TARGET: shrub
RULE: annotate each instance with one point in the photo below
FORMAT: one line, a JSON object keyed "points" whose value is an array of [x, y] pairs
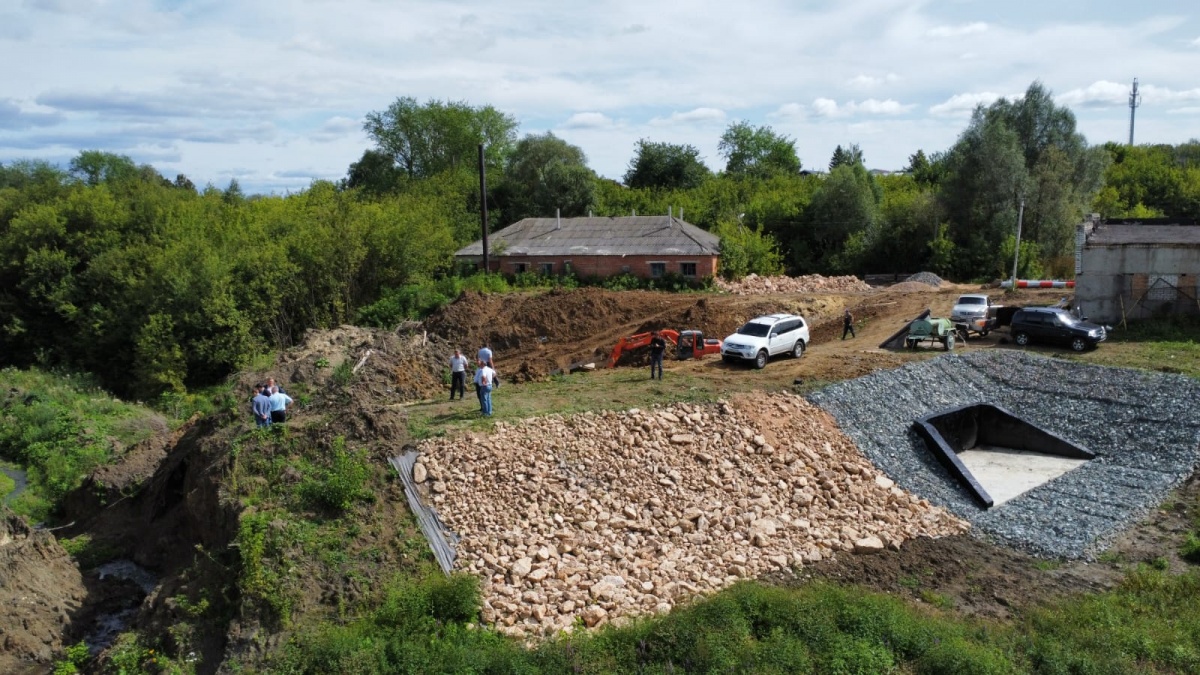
{"points": [[1190, 551], [342, 484]]}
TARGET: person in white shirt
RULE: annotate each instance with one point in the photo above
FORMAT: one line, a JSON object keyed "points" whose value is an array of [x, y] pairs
{"points": [[458, 375], [485, 377]]}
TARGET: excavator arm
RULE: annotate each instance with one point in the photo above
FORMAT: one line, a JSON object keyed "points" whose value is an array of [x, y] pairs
{"points": [[638, 341]]}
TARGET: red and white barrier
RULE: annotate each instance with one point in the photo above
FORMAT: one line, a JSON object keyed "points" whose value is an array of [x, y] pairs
{"points": [[1026, 283]]}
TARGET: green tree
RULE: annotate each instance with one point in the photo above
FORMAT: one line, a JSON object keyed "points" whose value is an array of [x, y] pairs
{"points": [[424, 140], [747, 250], [95, 167], [545, 173], [757, 151], [848, 156], [665, 165], [375, 173], [846, 204]]}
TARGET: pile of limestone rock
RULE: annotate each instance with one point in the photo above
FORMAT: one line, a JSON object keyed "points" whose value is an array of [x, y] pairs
{"points": [[753, 284], [612, 514]]}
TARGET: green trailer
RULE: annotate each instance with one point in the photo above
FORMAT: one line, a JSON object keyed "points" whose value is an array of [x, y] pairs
{"points": [[932, 330]]}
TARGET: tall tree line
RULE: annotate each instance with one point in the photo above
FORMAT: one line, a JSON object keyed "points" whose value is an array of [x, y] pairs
{"points": [[153, 285]]}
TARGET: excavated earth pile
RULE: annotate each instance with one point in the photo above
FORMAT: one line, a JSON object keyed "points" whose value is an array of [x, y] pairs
{"points": [[613, 514], [41, 591], [537, 334], [1144, 429], [810, 283]]}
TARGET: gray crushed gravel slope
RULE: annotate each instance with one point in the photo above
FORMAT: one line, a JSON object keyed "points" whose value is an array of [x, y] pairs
{"points": [[1143, 427]]}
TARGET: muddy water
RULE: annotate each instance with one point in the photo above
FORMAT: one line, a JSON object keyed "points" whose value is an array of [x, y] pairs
{"points": [[106, 626], [18, 476]]}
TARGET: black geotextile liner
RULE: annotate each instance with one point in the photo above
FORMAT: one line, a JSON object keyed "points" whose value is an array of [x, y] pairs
{"points": [[1144, 429]]}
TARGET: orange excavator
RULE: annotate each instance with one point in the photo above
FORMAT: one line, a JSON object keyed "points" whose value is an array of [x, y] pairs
{"points": [[689, 344]]}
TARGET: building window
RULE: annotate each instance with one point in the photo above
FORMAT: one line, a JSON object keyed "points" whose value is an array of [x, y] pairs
{"points": [[658, 269], [566, 267], [547, 268], [687, 269], [519, 268], [625, 269]]}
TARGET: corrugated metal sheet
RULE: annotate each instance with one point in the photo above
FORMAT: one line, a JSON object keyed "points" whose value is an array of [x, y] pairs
{"points": [[626, 235], [1126, 235]]}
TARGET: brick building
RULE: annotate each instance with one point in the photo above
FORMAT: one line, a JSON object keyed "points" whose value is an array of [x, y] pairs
{"points": [[644, 246]]}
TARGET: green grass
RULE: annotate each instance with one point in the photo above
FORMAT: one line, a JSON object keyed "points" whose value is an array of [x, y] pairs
{"points": [[606, 389], [61, 427], [1164, 345]]}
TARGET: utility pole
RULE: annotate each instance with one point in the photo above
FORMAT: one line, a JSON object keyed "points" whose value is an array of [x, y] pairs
{"points": [[483, 209], [1135, 99], [1017, 251]]}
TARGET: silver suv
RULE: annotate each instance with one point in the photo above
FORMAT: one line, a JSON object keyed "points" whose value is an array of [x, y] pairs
{"points": [[766, 336]]}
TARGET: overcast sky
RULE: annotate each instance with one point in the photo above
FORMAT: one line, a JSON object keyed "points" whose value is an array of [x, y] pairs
{"points": [[273, 92]]}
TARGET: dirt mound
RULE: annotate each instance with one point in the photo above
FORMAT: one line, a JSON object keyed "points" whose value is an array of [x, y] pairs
{"points": [[810, 283], [598, 516], [535, 335], [40, 591], [909, 287], [928, 278]]}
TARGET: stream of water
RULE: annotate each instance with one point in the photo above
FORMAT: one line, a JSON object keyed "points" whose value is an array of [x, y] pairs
{"points": [[18, 476]]}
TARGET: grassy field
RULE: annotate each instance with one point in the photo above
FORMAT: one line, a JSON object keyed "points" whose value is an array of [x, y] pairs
{"points": [[1168, 346]]}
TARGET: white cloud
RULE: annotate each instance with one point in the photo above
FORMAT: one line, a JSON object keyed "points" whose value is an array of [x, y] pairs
{"points": [[962, 104], [1190, 110], [695, 116], [1155, 94], [957, 31], [824, 107], [1108, 94], [790, 111], [337, 127], [588, 120], [1099, 93], [1196, 42], [870, 81]]}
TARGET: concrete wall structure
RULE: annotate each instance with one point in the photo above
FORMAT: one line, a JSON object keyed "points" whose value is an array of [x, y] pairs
{"points": [[1137, 271]]}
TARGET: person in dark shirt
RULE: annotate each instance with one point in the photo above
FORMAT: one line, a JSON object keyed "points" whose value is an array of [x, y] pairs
{"points": [[847, 324], [658, 347]]}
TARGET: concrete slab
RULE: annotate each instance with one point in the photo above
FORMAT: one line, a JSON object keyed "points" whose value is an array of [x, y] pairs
{"points": [[1006, 473]]}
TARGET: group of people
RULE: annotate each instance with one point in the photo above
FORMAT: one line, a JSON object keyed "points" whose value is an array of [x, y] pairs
{"points": [[269, 404], [485, 379]]}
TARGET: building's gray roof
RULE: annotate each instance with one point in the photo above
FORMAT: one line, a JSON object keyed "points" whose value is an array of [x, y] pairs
{"points": [[1144, 235], [626, 235]]}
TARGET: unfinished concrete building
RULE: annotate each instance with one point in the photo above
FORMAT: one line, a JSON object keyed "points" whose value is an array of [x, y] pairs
{"points": [[1127, 270]]}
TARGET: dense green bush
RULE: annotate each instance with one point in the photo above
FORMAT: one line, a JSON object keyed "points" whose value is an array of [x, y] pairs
{"points": [[340, 485], [60, 428]]}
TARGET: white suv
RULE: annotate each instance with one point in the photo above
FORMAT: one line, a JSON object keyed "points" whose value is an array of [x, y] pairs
{"points": [[766, 336]]}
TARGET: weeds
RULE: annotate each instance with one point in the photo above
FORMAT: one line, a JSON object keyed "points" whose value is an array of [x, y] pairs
{"points": [[59, 428]]}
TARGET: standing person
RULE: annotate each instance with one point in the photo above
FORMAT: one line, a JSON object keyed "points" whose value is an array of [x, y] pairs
{"points": [[485, 377], [271, 386], [279, 403], [848, 324], [260, 405], [485, 355], [458, 375], [658, 347]]}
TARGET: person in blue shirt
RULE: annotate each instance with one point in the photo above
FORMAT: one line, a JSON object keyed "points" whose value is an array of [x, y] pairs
{"points": [[279, 403], [261, 406]]}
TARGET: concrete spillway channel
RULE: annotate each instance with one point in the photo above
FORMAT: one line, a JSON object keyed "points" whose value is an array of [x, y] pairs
{"points": [[1143, 428]]}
